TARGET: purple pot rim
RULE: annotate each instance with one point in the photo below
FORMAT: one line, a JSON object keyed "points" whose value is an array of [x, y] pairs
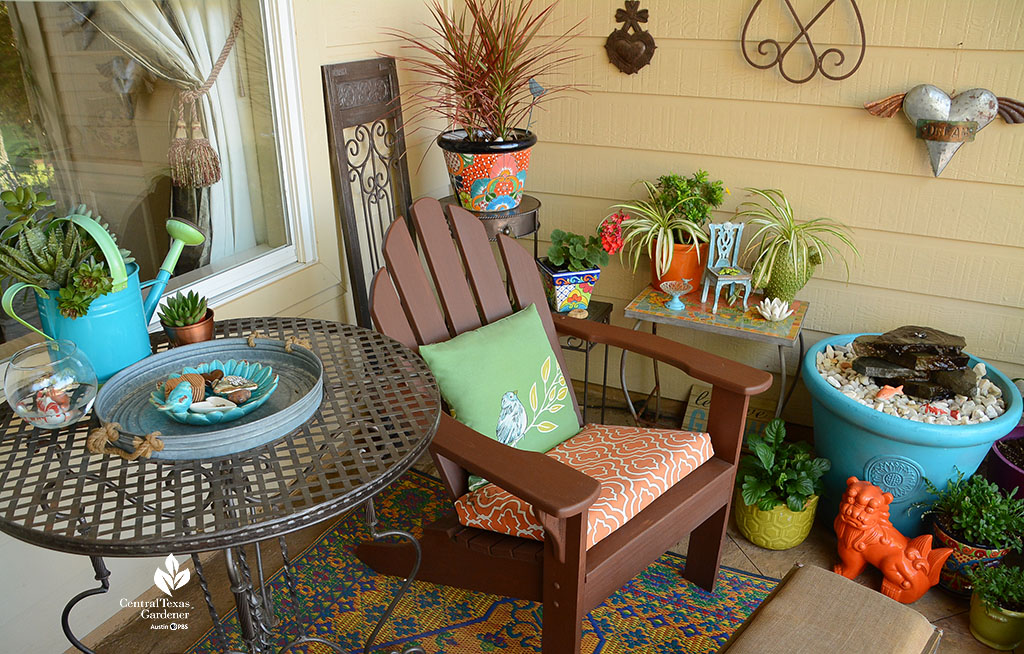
{"points": [[1009, 437]]}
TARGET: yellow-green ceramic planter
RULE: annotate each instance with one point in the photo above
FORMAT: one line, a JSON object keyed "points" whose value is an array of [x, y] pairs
{"points": [[995, 627], [778, 529]]}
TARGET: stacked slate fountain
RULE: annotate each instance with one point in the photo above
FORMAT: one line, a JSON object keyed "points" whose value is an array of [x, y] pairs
{"points": [[927, 363]]}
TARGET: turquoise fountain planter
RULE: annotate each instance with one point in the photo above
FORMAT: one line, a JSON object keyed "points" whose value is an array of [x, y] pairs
{"points": [[893, 453]]}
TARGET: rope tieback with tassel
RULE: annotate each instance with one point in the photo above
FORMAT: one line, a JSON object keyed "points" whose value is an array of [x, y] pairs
{"points": [[100, 439], [193, 161]]}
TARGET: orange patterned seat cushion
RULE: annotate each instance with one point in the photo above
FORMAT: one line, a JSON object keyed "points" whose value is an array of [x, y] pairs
{"points": [[634, 465]]}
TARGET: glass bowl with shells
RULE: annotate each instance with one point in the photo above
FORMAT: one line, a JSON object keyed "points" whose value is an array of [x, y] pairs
{"points": [[215, 392]]}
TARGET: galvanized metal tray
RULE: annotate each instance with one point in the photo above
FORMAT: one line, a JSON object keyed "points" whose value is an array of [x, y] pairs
{"points": [[124, 399]]}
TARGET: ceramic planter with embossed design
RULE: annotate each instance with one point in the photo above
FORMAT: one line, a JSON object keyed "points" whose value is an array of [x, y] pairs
{"points": [[893, 453], [778, 529], [487, 175]]}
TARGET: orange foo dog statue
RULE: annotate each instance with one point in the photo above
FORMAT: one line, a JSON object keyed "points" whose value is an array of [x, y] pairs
{"points": [[865, 534]]}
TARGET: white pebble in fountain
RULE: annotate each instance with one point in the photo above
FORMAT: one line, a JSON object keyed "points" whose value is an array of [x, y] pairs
{"points": [[835, 364]]}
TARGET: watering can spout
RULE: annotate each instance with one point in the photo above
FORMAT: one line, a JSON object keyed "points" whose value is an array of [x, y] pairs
{"points": [[183, 232]]}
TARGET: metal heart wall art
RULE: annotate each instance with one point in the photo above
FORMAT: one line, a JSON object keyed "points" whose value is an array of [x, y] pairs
{"points": [[630, 48], [946, 123]]}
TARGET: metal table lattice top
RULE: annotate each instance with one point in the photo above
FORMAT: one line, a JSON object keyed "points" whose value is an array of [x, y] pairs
{"points": [[380, 410]]}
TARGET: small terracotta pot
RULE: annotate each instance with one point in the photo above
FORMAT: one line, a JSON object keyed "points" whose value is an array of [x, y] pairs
{"points": [[685, 265], [197, 333], [954, 576]]}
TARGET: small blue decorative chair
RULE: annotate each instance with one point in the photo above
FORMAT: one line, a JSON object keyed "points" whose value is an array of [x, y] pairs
{"points": [[722, 256]]}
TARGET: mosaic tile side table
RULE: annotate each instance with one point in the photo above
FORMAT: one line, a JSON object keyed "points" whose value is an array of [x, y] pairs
{"points": [[649, 306]]}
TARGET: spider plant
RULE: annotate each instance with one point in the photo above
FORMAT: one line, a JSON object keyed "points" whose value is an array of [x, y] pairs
{"points": [[655, 227], [787, 250], [475, 69]]}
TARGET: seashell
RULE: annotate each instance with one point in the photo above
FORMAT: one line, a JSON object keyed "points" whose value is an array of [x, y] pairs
{"points": [[233, 383], [213, 376], [179, 399], [240, 396], [194, 379], [215, 403], [774, 310]]}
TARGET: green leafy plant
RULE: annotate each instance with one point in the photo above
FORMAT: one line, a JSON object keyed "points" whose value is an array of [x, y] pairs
{"points": [[22, 204], [183, 310], [654, 228], [999, 586], [691, 197], [976, 512], [54, 254], [575, 252], [777, 472], [475, 67], [780, 237]]}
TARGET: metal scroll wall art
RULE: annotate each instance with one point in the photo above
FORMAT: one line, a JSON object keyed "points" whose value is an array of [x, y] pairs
{"points": [[945, 123], [833, 58], [629, 47]]}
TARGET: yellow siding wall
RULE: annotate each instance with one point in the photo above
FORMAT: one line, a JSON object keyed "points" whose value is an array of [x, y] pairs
{"points": [[328, 31], [946, 252]]}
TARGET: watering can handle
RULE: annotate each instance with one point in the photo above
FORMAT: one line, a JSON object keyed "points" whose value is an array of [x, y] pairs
{"points": [[8, 304], [118, 271]]}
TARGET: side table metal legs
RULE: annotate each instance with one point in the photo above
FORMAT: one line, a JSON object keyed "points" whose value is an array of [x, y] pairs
{"points": [[102, 576], [784, 395]]}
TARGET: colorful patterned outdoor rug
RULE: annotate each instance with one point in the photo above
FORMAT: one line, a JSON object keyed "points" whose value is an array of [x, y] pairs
{"points": [[657, 612]]}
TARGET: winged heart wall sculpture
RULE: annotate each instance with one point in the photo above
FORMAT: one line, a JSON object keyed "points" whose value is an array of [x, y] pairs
{"points": [[946, 123]]}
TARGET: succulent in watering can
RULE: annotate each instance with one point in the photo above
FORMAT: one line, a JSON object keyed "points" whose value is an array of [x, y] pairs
{"points": [[183, 310]]}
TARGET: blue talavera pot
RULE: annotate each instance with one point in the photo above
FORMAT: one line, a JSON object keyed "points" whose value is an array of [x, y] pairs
{"points": [[894, 453]]}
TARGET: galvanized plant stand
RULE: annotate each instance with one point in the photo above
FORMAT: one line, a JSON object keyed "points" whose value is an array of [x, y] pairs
{"points": [[380, 410]]}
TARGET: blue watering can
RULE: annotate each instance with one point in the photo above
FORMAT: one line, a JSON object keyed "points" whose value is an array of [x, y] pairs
{"points": [[113, 333]]}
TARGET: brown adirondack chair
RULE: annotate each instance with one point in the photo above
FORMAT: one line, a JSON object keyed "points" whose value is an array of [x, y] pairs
{"points": [[560, 571]]}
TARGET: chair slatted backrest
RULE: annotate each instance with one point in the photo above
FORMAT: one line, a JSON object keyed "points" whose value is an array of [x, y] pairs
{"points": [[468, 283]]}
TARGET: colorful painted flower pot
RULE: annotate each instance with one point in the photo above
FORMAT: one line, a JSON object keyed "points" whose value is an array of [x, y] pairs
{"points": [[1001, 470], [778, 529], [996, 627], [954, 576], [567, 290], [487, 175], [893, 453]]}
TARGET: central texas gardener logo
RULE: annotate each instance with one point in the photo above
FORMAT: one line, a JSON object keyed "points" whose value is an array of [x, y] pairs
{"points": [[171, 579]]}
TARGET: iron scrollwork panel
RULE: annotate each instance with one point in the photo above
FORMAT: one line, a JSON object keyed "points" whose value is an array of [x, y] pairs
{"points": [[368, 161]]}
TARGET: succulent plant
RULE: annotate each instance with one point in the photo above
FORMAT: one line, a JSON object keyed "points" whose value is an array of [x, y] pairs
{"points": [[22, 204], [183, 310]]}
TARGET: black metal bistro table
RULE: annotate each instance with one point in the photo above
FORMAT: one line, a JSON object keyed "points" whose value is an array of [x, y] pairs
{"points": [[379, 412]]}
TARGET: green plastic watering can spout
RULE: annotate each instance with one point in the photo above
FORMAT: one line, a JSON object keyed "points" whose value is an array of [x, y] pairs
{"points": [[183, 232]]}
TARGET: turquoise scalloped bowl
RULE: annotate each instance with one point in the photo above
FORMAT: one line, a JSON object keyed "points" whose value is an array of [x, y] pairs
{"points": [[262, 375]]}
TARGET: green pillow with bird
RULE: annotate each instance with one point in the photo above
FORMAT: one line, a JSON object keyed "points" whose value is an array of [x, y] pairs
{"points": [[504, 381]]}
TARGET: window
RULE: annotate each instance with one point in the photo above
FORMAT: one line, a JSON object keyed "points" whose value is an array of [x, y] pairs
{"points": [[92, 97]]}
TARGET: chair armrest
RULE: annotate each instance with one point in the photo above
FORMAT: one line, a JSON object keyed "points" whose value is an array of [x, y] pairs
{"points": [[547, 484], [717, 371]]}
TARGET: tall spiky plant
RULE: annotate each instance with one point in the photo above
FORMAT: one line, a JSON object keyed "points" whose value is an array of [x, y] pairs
{"points": [[787, 250], [475, 68]]}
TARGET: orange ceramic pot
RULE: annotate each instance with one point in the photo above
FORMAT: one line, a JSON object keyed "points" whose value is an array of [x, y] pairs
{"points": [[197, 333], [685, 265]]}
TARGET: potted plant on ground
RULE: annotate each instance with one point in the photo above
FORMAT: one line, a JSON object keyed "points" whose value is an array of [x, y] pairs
{"points": [[787, 251], [669, 225], [477, 70], [777, 489], [571, 269], [1006, 463], [186, 319], [979, 522], [997, 606]]}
